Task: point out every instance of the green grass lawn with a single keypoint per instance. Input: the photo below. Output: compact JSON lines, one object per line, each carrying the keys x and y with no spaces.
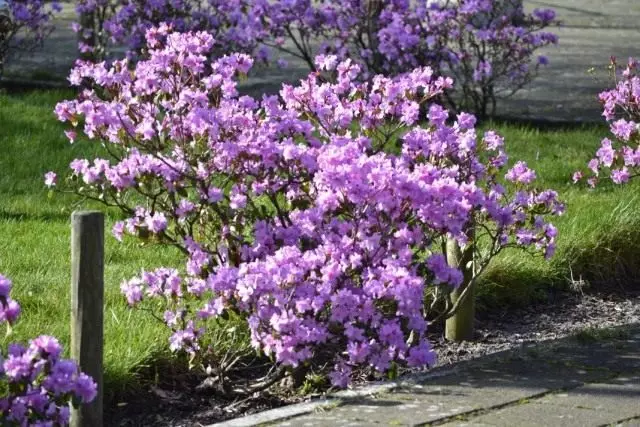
{"x":599,"y":235}
{"x":34,"y":242}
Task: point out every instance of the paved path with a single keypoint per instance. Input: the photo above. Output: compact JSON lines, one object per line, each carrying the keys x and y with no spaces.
{"x":593,"y":31}
{"x":567,"y":383}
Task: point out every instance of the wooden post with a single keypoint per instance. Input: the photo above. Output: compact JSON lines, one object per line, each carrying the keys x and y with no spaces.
{"x":87,"y":310}
{"x":460,"y":326}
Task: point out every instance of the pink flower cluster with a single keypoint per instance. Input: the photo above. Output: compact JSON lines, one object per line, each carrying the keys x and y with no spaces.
{"x":38,"y":385}
{"x":317,"y":216}
{"x":619,"y":158}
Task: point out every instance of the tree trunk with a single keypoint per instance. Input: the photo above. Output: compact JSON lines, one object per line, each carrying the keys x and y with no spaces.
{"x":375,"y":8}
{"x":87,"y":22}
{"x":460,"y":326}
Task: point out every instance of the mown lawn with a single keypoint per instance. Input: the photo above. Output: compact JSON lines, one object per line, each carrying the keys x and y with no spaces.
{"x":599,"y":235}
{"x":35,"y":234}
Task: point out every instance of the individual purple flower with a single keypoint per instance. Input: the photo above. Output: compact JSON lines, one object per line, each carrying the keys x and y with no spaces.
{"x":133,"y":291}
{"x":5,"y":286}
{"x":214,"y":195}
{"x":71,"y":135}
{"x":9,"y":311}
{"x":437,"y":115}
{"x":623,"y":129}
{"x":443,"y":272}
{"x":86,"y":388}
{"x":118,"y":230}
{"x":46,"y":345}
{"x":606,"y":154}
{"x":422,"y":355}
{"x":340,"y":375}
{"x":520,"y":173}
{"x":50,"y":179}
{"x":156,"y":223}
{"x":577,"y":176}
{"x":620,"y":176}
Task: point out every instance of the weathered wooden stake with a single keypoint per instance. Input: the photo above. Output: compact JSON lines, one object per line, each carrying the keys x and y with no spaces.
{"x":460,"y":326}
{"x":87,"y":310}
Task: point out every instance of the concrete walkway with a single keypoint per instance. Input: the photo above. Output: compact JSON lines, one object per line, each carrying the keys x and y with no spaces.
{"x":594,"y":381}
{"x":593,"y":31}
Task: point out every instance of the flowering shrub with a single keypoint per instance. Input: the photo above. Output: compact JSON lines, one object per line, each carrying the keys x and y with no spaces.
{"x":235,"y":25}
{"x":37,"y":385}
{"x":317,"y":217}
{"x":487,"y":46}
{"x":24,"y":24}
{"x":620,"y":158}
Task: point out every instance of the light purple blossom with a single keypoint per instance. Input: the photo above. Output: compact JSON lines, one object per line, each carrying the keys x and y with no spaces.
{"x":50,"y":179}
{"x":620,"y":157}
{"x":520,"y":173}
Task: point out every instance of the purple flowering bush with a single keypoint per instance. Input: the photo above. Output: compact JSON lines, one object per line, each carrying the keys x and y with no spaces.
{"x":235,"y":25}
{"x":619,"y":158}
{"x":93,"y":37}
{"x":24,"y":24}
{"x":316,"y":218}
{"x":488,"y":47}
{"x":36,"y":384}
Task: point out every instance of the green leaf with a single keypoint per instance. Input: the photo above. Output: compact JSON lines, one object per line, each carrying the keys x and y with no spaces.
{"x":393,"y":371}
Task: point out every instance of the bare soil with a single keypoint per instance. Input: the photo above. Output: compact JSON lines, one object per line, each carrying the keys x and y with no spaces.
{"x":176,"y":403}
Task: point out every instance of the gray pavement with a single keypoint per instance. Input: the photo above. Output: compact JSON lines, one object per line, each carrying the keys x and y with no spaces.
{"x":593,"y":31}
{"x":568,"y":382}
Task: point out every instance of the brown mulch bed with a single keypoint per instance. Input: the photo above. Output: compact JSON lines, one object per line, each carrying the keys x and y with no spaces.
{"x":177,"y":404}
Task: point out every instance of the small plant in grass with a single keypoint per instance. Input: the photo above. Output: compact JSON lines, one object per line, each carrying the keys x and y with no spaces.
{"x":36,"y":385}
{"x":24,"y":24}
{"x":619,"y":158}
{"x":316,"y":219}
{"x":488,"y":47}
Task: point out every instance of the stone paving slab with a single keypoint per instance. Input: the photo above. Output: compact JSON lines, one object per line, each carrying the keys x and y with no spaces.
{"x":593,"y":404}
{"x":623,"y":399}
{"x":564,"y":383}
{"x":536,"y":414}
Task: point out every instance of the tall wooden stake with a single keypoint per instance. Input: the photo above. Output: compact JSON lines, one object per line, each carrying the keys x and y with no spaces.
{"x":460,"y":326}
{"x":87,"y":307}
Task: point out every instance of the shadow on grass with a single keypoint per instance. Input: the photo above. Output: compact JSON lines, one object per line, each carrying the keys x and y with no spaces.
{"x":25,"y":86}
{"x":40,"y":216}
{"x":542,"y":124}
